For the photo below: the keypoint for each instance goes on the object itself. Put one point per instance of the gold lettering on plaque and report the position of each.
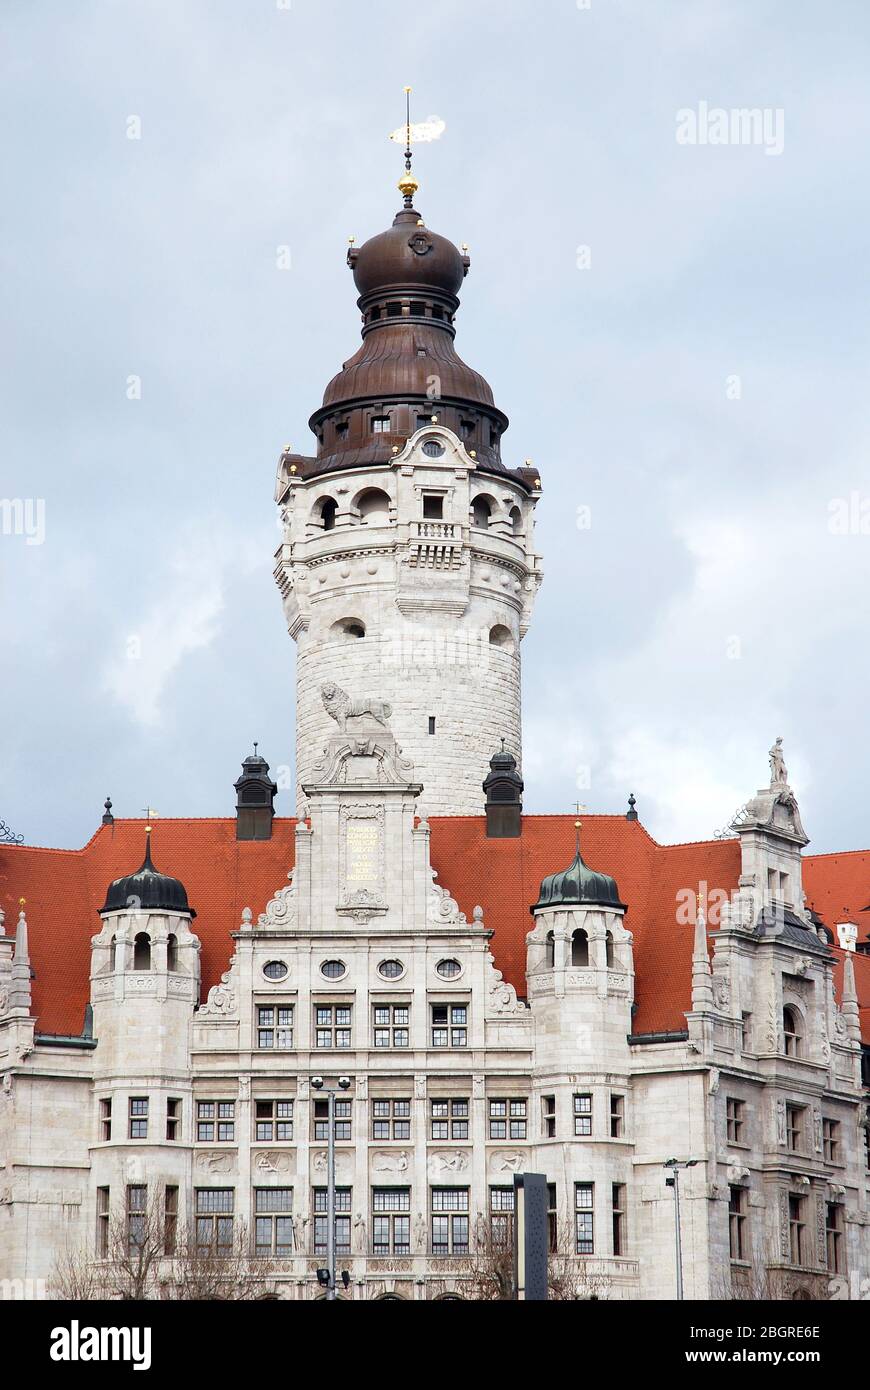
(363, 844)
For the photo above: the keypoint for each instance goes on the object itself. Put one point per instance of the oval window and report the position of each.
(432, 449)
(391, 969)
(448, 969)
(333, 969)
(276, 970)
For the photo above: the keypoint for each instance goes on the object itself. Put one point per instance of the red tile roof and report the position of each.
(65, 889)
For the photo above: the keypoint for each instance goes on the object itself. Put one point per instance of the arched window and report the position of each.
(142, 952)
(325, 512)
(114, 953)
(172, 952)
(481, 511)
(500, 636)
(608, 941)
(348, 630)
(374, 507)
(580, 948)
(791, 1027)
(550, 956)
(516, 521)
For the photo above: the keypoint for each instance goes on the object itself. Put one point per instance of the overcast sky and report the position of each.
(697, 377)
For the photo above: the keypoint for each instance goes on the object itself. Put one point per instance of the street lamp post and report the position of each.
(318, 1084)
(675, 1167)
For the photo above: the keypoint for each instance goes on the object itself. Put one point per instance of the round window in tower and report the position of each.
(391, 970)
(333, 969)
(448, 969)
(276, 970)
(433, 449)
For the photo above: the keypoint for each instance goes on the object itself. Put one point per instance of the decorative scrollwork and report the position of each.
(8, 836)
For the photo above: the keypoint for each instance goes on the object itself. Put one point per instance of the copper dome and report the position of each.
(408, 256)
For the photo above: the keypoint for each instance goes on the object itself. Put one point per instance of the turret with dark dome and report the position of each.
(578, 885)
(147, 890)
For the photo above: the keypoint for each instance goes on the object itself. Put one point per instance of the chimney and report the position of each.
(255, 800)
(504, 798)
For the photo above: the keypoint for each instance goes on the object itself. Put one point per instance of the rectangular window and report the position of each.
(273, 1222)
(618, 1202)
(138, 1117)
(617, 1116)
(137, 1217)
(391, 1025)
(391, 1221)
(449, 1220)
(584, 1221)
(582, 1116)
(332, 1025)
(449, 1025)
(508, 1119)
(797, 1229)
(381, 424)
(214, 1220)
(431, 726)
(501, 1217)
(450, 1119)
(794, 1124)
(105, 1120)
(102, 1223)
(745, 1031)
(433, 508)
(173, 1120)
(831, 1140)
(548, 1104)
(391, 1119)
(552, 1218)
(737, 1222)
(273, 1121)
(735, 1118)
(215, 1121)
(342, 1120)
(342, 1220)
(170, 1220)
(834, 1237)
(275, 1028)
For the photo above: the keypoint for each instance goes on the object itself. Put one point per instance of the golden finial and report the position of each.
(472, 453)
(434, 419)
(351, 241)
(293, 470)
(408, 186)
(21, 902)
(148, 830)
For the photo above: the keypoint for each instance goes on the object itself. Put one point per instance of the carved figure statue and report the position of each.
(778, 769)
(340, 707)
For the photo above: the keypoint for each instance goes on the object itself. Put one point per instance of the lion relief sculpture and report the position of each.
(340, 707)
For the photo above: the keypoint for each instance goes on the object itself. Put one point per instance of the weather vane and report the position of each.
(414, 134)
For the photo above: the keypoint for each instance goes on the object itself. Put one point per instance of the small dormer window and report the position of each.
(381, 424)
(467, 428)
(341, 429)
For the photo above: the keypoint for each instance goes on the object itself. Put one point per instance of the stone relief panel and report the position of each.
(449, 1161)
(271, 1162)
(343, 1164)
(397, 1164)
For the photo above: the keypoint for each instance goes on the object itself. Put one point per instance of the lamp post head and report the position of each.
(317, 1083)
